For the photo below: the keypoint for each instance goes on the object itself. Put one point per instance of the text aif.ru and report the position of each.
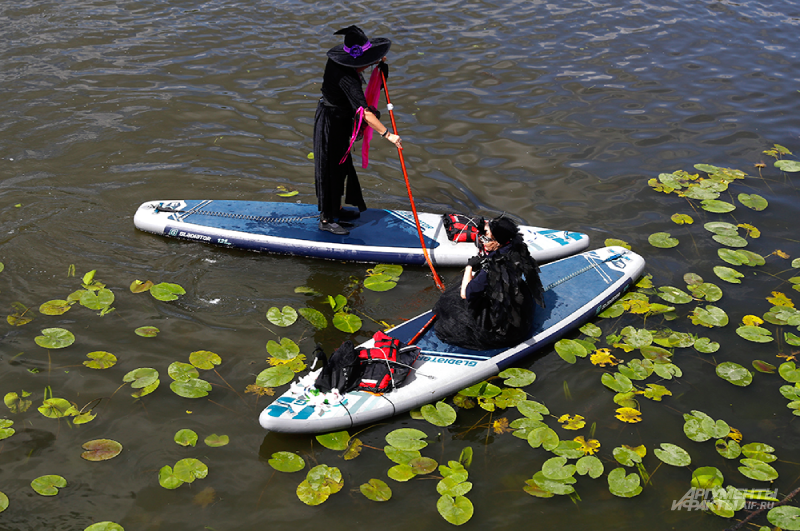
(698, 499)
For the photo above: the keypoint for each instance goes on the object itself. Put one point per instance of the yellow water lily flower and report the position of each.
(500, 426)
(735, 434)
(752, 320)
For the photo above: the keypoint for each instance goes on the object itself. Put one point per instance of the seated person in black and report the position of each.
(493, 307)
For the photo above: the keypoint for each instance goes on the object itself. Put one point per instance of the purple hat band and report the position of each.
(356, 51)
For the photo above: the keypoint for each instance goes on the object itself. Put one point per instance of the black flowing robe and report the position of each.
(342, 95)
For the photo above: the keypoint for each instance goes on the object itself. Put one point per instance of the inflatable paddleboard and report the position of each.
(383, 236)
(577, 288)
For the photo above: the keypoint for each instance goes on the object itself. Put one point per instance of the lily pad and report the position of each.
(707, 477)
(570, 349)
(275, 376)
(756, 334)
(55, 307)
(518, 377)
(216, 441)
(662, 240)
(622, 485)
(285, 317)
(192, 388)
(100, 360)
(166, 291)
(785, 517)
(734, 373)
(315, 317)
(347, 322)
(407, 439)
(189, 469)
(286, 350)
(101, 450)
(105, 526)
(591, 465)
(186, 437)
(141, 377)
(48, 485)
(380, 282)
(717, 207)
(52, 338)
(337, 441)
(204, 359)
(728, 274)
(456, 510)
(674, 295)
(706, 346)
(376, 490)
(286, 462)
(442, 414)
(758, 470)
(182, 372)
(788, 166)
(147, 331)
(168, 479)
(673, 455)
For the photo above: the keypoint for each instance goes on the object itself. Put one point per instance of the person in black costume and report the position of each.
(342, 99)
(492, 307)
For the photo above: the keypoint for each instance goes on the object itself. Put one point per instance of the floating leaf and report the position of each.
(142, 377)
(286, 462)
(99, 300)
(673, 455)
(192, 388)
(789, 372)
(674, 295)
(786, 517)
(710, 316)
(55, 408)
(407, 439)
(55, 338)
(401, 473)
(682, 219)
(728, 275)
(759, 451)
(376, 490)
(55, 307)
(285, 350)
(707, 477)
(729, 449)
(186, 437)
(347, 322)
(456, 510)
(334, 441)
(16, 402)
(706, 346)
(182, 372)
(48, 485)
(623, 486)
(189, 469)
(441, 414)
(757, 470)
(216, 441)
(105, 526)
(137, 286)
(589, 465)
(147, 331)
(518, 377)
(544, 437)
(275, 376)
(763, 366)
(717, 207)
(380, 282)
(788, 166)
(629, 415)
(204, 359)
(730, 241)
(100, 360)
(166, 291)
(285, 317)
(574, 422)
(315, 317)
(662, 240)
(734, 373)
(6, 430)
(569, 349)
(637, 369)
(755, 334)
(617, 382)
(101, 450)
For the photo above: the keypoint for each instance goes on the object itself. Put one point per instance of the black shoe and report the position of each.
(348, 215)
(333, 228)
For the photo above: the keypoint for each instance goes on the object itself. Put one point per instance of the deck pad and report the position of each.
(387, 236)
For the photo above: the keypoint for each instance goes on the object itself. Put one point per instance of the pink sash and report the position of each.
(372, 95)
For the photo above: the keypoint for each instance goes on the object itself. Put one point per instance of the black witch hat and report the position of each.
(358, 50)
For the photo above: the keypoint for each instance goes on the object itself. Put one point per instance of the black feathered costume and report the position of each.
(342, 95)
(499, 308)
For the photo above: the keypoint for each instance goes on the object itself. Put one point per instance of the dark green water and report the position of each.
(558, 114)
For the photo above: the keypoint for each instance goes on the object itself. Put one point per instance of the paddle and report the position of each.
(439, 283)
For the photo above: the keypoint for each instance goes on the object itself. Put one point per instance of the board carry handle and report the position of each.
(437, 280)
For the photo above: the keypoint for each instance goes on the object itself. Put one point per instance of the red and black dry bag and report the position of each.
(461, 228)
(386, 364)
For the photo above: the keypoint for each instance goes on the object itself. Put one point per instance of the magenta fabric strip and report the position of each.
(356, 50)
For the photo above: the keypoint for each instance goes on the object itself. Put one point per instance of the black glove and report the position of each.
(384, 68)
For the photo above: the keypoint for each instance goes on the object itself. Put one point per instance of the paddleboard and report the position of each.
(577, 288)
(381, 236)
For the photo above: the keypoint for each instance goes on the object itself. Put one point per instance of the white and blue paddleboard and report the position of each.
(383, 236)
(576, 289)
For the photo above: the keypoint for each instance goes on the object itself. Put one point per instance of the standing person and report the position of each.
(342, 114)
(493, 306)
